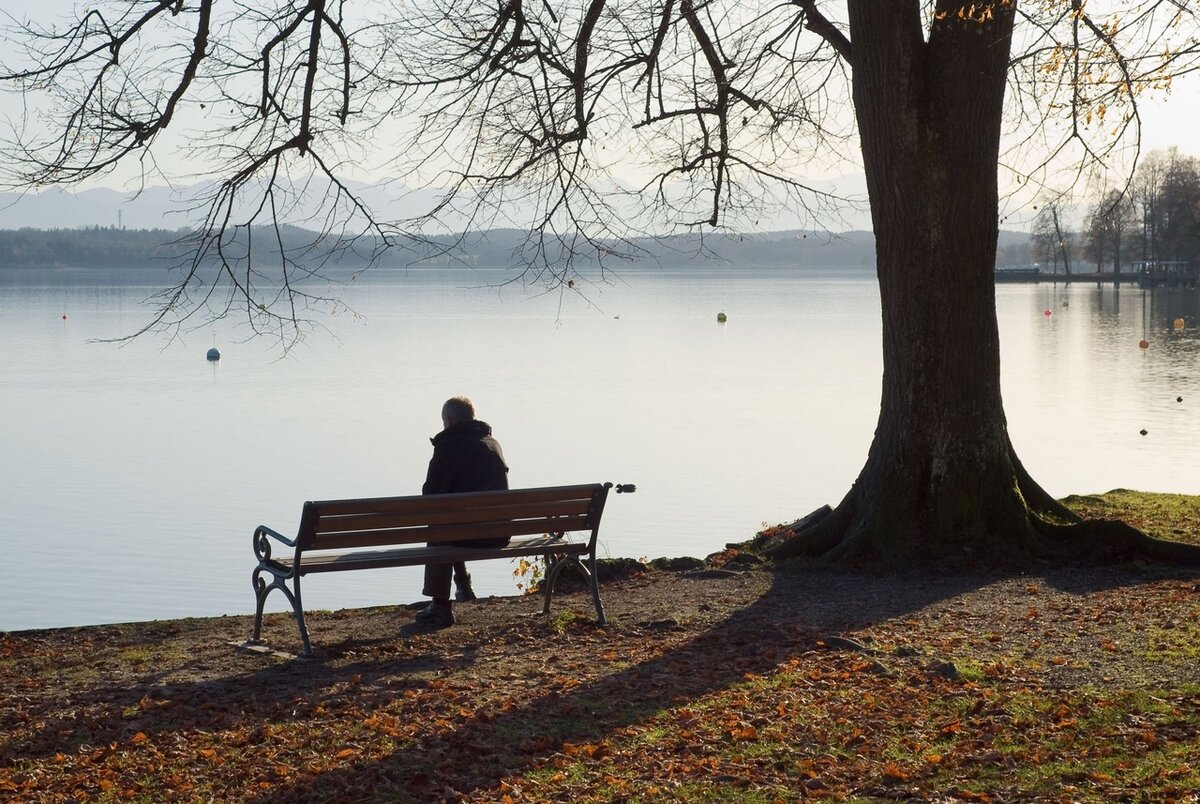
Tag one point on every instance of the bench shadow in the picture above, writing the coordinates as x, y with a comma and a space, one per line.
110, 714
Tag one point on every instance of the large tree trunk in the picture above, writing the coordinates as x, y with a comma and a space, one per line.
941, 478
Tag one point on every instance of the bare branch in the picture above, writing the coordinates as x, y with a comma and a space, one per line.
819, 24
587, 124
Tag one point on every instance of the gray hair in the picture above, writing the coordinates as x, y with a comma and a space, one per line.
458, 408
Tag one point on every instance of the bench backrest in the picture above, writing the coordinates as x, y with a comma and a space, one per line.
379, 521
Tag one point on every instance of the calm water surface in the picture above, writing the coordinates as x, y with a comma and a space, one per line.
132, 478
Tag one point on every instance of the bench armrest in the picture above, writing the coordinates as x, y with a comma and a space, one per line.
262, 542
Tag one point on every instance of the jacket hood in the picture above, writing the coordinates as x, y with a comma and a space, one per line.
473, 428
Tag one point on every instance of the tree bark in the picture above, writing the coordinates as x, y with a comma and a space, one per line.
941, 480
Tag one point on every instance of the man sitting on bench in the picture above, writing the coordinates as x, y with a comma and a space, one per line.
465, 458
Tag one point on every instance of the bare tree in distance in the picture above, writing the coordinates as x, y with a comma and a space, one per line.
722, 107
1043, 240
1111, 226
1164, 195
1179, 208
1051, 237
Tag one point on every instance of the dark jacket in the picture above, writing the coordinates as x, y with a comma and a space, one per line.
466, 458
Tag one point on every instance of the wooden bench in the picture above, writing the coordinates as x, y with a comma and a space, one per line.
342, 535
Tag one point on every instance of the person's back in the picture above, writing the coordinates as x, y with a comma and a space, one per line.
466, 458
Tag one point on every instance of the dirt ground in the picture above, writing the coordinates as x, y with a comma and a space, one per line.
1077, 626
491, 708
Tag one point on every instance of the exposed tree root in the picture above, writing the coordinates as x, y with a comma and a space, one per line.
825, 534
810, 535
1035, 496
1051, 532
817, 533
1112, 540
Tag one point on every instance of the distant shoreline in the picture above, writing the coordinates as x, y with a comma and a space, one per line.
114, 247
1100, 278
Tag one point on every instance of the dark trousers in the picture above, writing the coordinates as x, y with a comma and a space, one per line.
438, 576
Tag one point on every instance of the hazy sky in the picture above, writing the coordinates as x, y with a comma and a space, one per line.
1169, 120
1174, 120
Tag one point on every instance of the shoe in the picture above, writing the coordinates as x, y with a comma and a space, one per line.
464, 594
436, 615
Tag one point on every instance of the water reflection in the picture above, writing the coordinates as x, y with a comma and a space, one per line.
1077, 418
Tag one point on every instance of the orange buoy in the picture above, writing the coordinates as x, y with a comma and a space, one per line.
1178, 324
1143, 344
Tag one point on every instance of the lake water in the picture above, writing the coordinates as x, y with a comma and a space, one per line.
132, 478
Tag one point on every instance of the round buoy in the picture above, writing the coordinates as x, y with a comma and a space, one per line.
64, 316
1178, 399
1143, 344
1178, 324
720, 318
1143, 431
213, 354
1048, 313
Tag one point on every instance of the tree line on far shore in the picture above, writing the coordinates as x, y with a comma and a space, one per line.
94, 246
115, 247
1154, 218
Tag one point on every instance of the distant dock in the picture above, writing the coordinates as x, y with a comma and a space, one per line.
1144, 274
1019, 275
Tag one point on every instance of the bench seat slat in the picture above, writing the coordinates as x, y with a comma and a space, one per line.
416, 556
458, 514
447, 533
432, 503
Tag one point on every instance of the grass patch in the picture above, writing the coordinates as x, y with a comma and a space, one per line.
1175, 517
1173, 641
561, 621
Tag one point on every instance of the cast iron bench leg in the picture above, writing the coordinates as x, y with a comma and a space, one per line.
262, 589
555, 568
594, 577
299, 608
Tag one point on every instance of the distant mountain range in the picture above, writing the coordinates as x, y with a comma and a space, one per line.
60, 209
180, 207
156, 207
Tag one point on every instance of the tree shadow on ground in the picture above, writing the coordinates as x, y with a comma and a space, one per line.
800, 608
1083, 580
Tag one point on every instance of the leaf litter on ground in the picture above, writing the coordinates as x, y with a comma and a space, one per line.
760, 684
